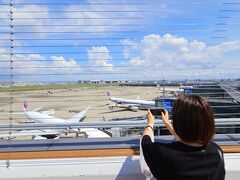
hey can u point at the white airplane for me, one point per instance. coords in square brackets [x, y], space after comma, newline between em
[45, 117]
[171, 90]
[35, 134]
[131, 104]
[174, 90]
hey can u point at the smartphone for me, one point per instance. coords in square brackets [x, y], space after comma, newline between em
[157, 111]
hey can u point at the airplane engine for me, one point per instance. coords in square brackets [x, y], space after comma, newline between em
[135, 109]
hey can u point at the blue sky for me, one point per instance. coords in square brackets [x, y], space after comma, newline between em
[149, 40]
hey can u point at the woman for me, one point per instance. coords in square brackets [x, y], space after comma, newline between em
[193, 156]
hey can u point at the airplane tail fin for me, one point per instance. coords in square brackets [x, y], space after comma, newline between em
[25, 105]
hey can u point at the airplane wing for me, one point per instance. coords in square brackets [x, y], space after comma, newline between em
[124, 105]
[37, 109]
[79, 116]
[30, 133]
[48, 112]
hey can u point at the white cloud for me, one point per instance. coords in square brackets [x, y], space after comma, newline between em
[32, 18]
[226, 47]
[37, 64]
[26, 17]
[99, 56]
[175, 56]
[102, 18]
[167, 54]
[91, 17]
[137, 61]
[69, 66]
[30, 65]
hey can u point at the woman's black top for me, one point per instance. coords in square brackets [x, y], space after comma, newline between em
[179, 161]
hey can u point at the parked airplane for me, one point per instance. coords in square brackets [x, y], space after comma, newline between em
[131, 104]
[44, 117]
[174, 90]
[54, 133]
[36, 134]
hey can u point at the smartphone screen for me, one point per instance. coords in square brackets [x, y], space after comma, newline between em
[157, 111]
[166, 103]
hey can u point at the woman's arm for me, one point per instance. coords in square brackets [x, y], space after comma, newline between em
[165, 119]
[150, 123]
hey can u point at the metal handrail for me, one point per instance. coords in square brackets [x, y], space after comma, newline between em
[106, 124]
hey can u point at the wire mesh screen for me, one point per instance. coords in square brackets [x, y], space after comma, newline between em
[65, 61]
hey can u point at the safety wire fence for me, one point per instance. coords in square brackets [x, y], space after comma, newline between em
[59, 57]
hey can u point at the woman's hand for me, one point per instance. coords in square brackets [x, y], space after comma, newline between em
[165, 117]
[150, 118]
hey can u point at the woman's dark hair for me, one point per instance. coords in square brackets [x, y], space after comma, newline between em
[193, 119]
